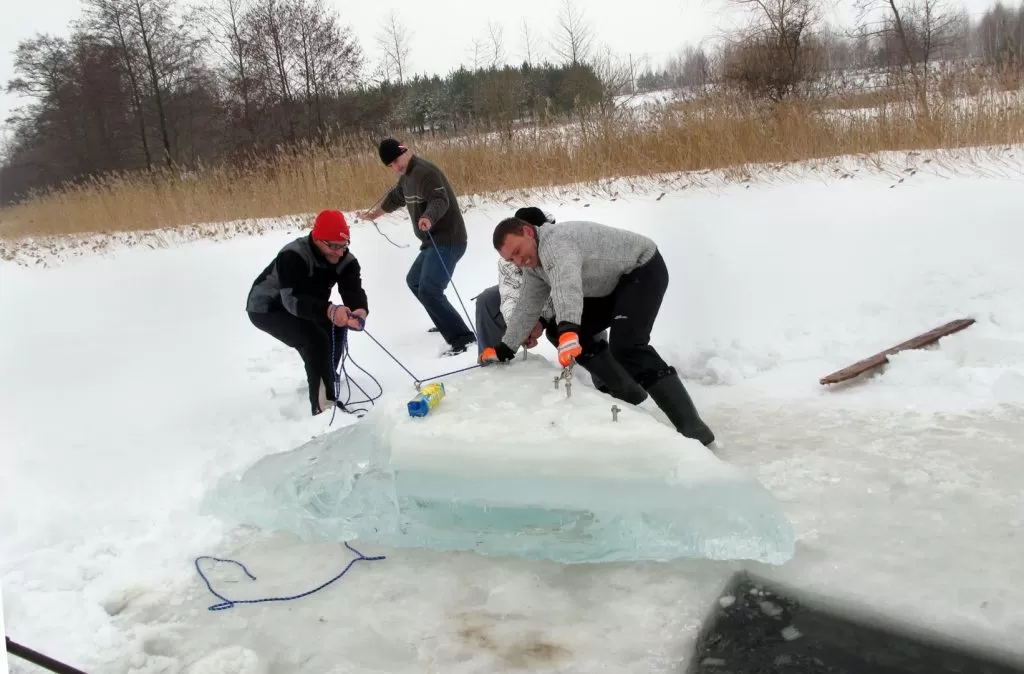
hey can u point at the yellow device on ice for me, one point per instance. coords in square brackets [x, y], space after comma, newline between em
[428, 398]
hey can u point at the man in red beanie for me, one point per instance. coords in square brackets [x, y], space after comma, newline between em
[291, 301]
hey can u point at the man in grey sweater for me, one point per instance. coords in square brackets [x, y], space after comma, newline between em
[597, 277]
[437, 222]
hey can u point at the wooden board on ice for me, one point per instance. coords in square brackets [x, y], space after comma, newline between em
[881, 358]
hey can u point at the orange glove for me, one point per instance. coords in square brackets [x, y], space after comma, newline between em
[568, 348]
[488, 356]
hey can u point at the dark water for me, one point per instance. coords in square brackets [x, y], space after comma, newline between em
[765, 631]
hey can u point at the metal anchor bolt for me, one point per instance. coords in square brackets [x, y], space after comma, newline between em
[615, 412]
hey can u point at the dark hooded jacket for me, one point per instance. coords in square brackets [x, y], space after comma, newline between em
[299, 280]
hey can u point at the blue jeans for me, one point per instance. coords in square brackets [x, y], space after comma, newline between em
[490, 324]
[427, 279]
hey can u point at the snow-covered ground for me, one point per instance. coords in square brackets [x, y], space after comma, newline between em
[131, 381]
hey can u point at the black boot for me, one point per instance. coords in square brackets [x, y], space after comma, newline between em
[671, 397]
[611, 378]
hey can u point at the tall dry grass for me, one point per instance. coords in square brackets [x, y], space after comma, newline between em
[714, 132]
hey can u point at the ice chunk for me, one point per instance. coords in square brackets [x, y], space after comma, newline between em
[507, 464]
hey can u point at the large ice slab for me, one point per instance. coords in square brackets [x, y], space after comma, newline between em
[507, 464]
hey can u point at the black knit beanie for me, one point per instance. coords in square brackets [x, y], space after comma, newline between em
[534, 216]
[389, 150]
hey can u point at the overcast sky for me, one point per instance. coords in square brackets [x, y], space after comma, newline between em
[443, 30]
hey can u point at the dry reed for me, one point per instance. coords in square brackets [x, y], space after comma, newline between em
[714, 132]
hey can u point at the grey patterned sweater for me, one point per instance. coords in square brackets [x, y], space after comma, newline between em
[577, 259]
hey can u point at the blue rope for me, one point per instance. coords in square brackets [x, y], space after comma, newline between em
[385, 350]
[228, 603]
[346, 355]
[404, 245]
[415, 379]
[347, 405]
[452, 281]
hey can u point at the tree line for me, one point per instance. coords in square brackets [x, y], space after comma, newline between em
[789, 50]
[154, 84]
[149, 84]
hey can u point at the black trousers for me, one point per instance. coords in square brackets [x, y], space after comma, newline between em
[628, 313]
[313, 342]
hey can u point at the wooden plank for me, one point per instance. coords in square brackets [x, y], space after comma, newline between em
[881, 358]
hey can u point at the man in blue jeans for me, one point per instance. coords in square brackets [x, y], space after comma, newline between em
[437, 222]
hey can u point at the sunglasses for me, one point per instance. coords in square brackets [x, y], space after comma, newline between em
[336, 246]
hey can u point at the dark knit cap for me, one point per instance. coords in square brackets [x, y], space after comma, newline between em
[534, 216]
[389, 150]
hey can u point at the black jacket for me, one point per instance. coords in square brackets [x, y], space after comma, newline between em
[424, 190]
[300, 279]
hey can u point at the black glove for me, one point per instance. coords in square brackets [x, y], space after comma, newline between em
[505, 354]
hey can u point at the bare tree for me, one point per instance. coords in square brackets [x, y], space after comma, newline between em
[529, 44]
[916, 28]
[1000, 36]
[939, 26]
[616, 77]
[574, 35]
[691, 69]
[775, 55]
[223, 23]
[43, 66]
[394, 41]
[476, 52]
[77, 124]
[44, 71]
[111, 21]
[271, 45]
[165, 47]
[157, 52]
[327, 56]
[496, 45]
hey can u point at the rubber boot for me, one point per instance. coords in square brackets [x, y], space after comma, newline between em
[609, 374]
[671, 397]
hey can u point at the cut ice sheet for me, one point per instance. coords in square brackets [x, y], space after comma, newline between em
[506, 465]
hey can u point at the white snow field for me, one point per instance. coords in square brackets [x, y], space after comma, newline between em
[132, 382]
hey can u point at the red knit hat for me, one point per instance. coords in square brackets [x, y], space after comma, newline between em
[330, 226]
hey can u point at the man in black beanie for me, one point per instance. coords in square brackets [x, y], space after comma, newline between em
[437, 222]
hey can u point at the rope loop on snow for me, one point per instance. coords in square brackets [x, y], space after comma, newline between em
[226, 603]
[347, 405]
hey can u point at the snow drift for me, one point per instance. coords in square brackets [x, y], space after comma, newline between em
[509, 465]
